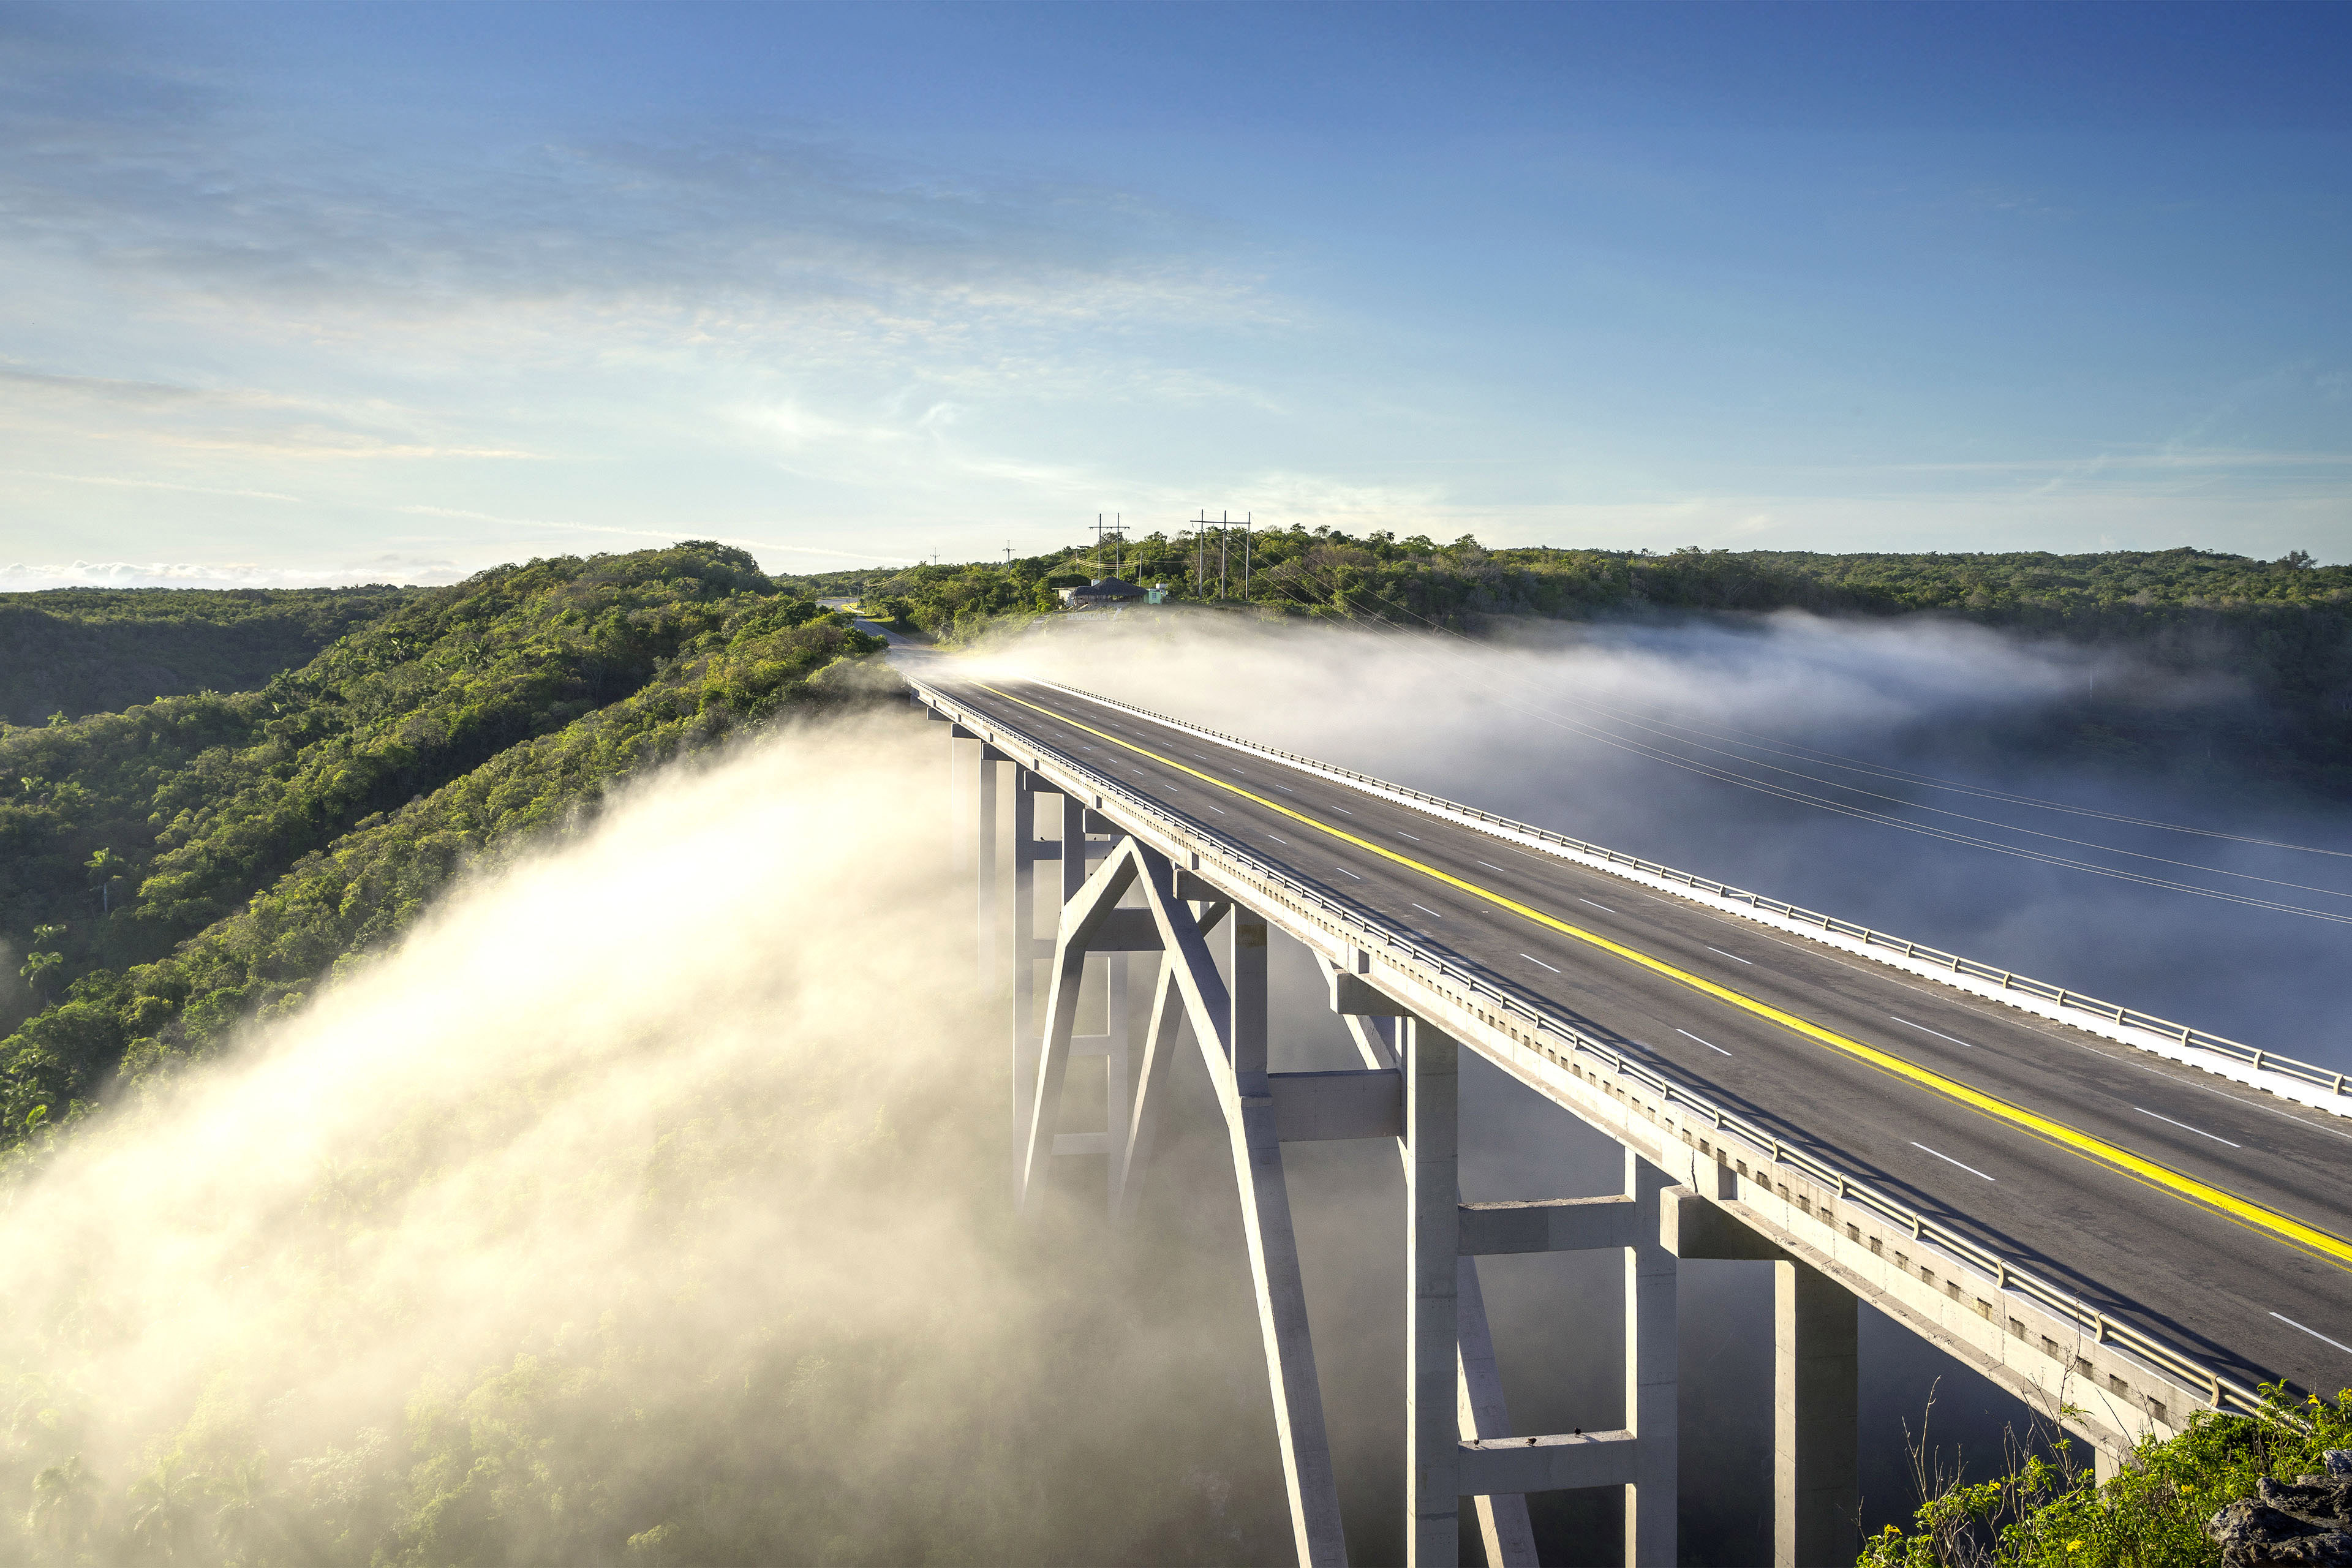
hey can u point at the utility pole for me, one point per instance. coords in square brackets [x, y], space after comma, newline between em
[1223, 526]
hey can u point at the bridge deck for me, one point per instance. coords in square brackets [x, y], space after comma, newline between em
[2231, 1289]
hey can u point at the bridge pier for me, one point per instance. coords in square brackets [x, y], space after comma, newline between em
[1816, 1417]
[1431, 1069]
[1125, 897]
[1824, 1229]
[1816, 1380]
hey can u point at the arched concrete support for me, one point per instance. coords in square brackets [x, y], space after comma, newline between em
[1228, 1023]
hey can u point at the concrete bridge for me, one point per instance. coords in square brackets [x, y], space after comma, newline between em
[2121, 1220]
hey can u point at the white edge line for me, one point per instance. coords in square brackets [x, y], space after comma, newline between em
[2269, 1082]
[1947, 1160]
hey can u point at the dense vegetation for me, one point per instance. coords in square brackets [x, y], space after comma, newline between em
[173, 867]
[2280, 628]
[191, 862]
[2152, 1514]
[94, 650]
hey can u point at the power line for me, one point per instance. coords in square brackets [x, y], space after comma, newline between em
[1846, 809]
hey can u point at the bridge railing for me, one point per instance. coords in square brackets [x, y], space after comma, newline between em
[2009, 979]
[1276, 885]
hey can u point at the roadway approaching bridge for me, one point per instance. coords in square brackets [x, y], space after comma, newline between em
[2120, 1219]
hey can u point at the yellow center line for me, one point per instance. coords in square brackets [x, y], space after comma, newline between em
[2286, 1226]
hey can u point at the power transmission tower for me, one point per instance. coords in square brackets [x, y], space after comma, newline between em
[1115, 532]
[1224, 525]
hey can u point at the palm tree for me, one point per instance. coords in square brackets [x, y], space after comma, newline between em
[163, 1512]
[106, 868]
[38, 965]
[244, 1495]
[64, 1504]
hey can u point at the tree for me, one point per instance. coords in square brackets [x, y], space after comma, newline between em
[106, 868]
[163, 1509]
[37, 964]
[65, 1505]
[243, 1496]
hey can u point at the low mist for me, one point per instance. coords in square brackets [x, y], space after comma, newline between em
[1512, 724]
[650, 1204]
[647, 1205]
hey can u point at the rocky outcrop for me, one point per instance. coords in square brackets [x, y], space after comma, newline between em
[2305, 1523]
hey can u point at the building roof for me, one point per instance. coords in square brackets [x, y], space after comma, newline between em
[1105, 588]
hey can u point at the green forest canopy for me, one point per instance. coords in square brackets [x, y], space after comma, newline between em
[2281, 629]
[236, 791]
[171, 869]
[95, 650]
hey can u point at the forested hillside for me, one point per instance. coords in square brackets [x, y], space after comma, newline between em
[171, 869]
[173, 866]
[97, 650]
[2281, 629]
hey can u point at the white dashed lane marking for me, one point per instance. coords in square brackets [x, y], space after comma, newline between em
[2167, 1121]
[1925, 1030]
[1947, 1160]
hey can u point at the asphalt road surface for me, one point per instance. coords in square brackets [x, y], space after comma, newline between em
[2246, 1291]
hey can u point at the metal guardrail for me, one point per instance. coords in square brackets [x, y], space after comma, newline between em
[2223, 1393]
[2110, 1012]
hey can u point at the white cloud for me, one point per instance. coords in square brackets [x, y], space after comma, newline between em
[21, 578]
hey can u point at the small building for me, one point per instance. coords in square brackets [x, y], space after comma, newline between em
[1101, 591]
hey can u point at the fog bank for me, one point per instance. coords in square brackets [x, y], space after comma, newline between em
[647, 1205]
[1522, 724]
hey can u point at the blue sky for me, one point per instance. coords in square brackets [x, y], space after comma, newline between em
[312, 292]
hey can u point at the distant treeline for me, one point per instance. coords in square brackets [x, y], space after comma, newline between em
[172, 869]
[95, 650]
[2281, 628]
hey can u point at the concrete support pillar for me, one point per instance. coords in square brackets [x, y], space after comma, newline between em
[1816, 1479]
[964, 797]
[1504, 1529]
[1024, 934]
[1432, 1219]
[1116, 1109]
[1074, 849]
[1651, 1378]
[990, 830]
[1246, 974]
